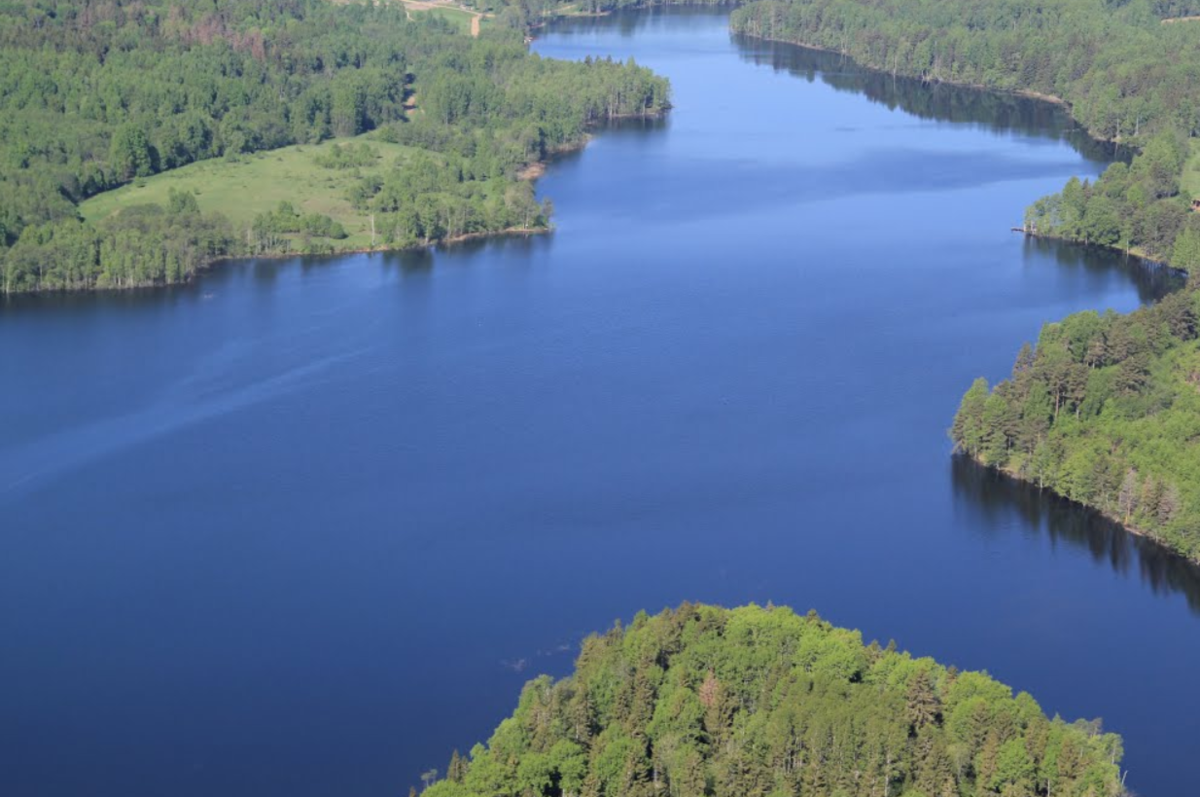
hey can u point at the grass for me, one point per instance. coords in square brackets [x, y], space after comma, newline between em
[1191, 171]
[457, 17]
[258, 183]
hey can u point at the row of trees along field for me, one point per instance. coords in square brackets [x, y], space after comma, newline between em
[1106, 411]
[1123, 72]
[1140, 207]
[95, 94]
[760, 702]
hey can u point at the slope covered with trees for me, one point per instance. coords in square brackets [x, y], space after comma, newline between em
[1123, 72]
[1105, 411]
[94, 95]
[759, 702]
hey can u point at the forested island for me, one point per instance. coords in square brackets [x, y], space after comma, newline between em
[123, 93]
[761, 701]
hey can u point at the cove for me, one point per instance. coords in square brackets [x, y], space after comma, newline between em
[306, 526]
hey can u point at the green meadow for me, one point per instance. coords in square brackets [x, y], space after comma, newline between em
[460, 19]
[256, 183]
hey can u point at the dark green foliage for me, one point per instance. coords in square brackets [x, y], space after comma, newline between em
[1136, 207]
[763, 703]
[1123, 73]
[96, 94]
[1105, 411]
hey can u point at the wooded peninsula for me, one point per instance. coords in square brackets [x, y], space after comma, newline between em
[96, 96]
[759, 702]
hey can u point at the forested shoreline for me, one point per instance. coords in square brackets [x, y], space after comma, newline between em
[761, 701]
[1141, 208]
[1105, 410]
[1123, 73]
[96, 96]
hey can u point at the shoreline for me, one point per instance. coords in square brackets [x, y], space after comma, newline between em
[1025, 93]
[530, 172]
[1144, 260]
[222, 260]
[1149, 536]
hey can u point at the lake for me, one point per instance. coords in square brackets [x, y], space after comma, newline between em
[305, 526]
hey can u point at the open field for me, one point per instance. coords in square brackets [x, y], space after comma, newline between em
[465, 21]
[258, 183]
[1190, 181]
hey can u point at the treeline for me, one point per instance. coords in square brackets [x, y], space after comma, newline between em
[96, 94]
[141, 246]
[1124, 74]
[761, 702]
[1105, 411]
[1138, 208]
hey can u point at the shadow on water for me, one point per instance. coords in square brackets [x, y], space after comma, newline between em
[170, 295]
[1152, 280]
[990, 110]
[995, 500]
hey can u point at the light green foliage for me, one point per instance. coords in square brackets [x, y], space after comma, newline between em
[313, 179]
[1105, 411]
[761, 702]
[1190, 182]
[1139, 207]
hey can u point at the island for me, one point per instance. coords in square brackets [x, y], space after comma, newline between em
[760, 701]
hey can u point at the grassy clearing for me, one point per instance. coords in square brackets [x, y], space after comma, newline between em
[1191, 172]
[460, 19]
[257, 183]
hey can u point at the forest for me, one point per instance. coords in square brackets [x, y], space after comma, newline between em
[99, 95]
[1104, 410]
[1140, 208]
[1124, 74]
[761, 702]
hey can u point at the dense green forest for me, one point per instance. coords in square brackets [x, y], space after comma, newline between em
[1123, 72]
[760, 702]
[1140, 208]
[1105, 410]
[97, 94]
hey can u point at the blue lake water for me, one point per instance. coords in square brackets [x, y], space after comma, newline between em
[306, 526]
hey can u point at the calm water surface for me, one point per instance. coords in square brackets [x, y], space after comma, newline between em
[303, 528]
